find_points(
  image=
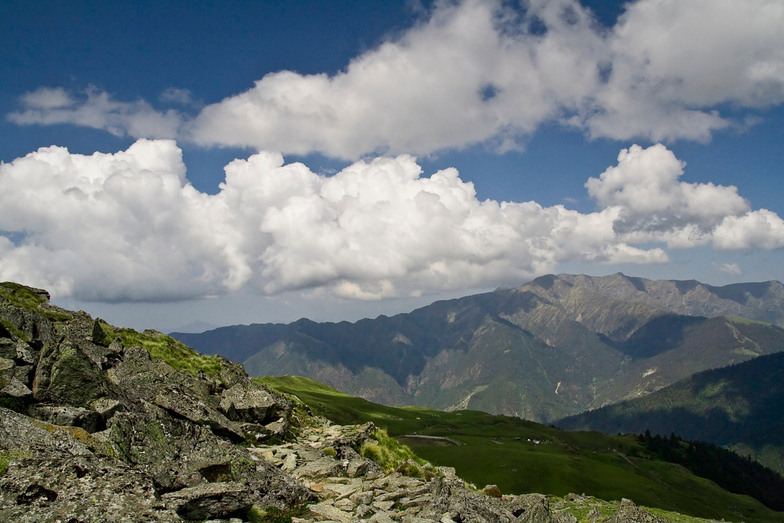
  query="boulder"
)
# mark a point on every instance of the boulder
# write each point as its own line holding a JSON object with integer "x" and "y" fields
{"x": 26, "y": 354}
{"x": 66, "y": 375}
{"x": 7, "y": 348}
{"x": 628, "y": 512}
{"x": 251, "y": 403}
{"x": 451, "y": 496}
{"x": 7, "y": 371}
{"x": 25, "y": 373}
{"x": 492, "y": 490}
{"x": 68, "y": 416}
{"x": 211, "y": 500}
{"x": 530, "y": 508}
{"x": 16, "y": 396}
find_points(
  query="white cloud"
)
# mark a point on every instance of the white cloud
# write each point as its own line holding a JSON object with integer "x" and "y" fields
{"x": 47, "y": 98}
{"x": 173, "y": 95}
{"x": 96, "y": 109}
{"x": 673, "y": 61}
{"x": 654, "y": 206}
{"x": 129, "y": 226}
{"x": 112, "y": 226}
{"x": 728, "y": 268}
{"x": 658, "y": 74}
{"x": 474, "y": 72}
{"x": 760, "y": 229}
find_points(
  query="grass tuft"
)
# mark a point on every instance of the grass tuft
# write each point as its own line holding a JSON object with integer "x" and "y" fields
{"x": 165, "y": 348}
{"x": 8, "y": 455}
{"x": 391, "y": 455}
{"x": 258, "y": 514}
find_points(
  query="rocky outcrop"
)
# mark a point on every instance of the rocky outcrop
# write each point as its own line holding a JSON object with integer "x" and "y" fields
{"x": 94, "y": 430}
{"x": 346, "y": 495}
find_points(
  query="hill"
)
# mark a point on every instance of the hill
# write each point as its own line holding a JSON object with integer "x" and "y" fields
{"x": 522, "y": 456}
{"x": 557, "y": 346}
{"x": 738, "y": 407}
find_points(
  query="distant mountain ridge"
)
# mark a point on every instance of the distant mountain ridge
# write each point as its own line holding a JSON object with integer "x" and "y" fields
{"x": 557, "y": 346}
{"x": 761, "y": 301}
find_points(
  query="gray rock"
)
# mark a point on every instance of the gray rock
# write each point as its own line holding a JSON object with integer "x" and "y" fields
{"x": 321, "y": 468}
{"x": 253, "y": 404}
{"x": 106, "y": 407}
{"x": 211, "y": 500}
{"x": 628, "y": 512}
{"x": 325, "y": 511}
{"x": 563, "y": 517}
{"x": 16, "y": 396}
{"x": 7, "y": 348}
{"x": 7, "y": 371}
{"x": 194, "y": 409}
{"x": 30, "y": 324}
{"x": 66, "y": 375}
{"x": 62, "y": 487}
{"x": 67, "y": 416}
{"x": 530, "y": 508}
{"x": 25, "y": 354}
{"x": 53, "y": 476}
{"x": 25, "y": 373}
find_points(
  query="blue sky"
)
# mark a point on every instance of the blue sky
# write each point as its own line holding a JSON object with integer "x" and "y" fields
{"x": 381, "y": 155}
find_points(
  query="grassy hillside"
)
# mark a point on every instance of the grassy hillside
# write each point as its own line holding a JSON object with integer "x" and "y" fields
{"x": 521, "y": 456}
{"x": 739, "y": 407}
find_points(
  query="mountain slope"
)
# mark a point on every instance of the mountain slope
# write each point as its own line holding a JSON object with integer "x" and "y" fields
{"x": 557, "y": 346}
{"x": 739, "y": 407}
{"x": 521, "y": 456}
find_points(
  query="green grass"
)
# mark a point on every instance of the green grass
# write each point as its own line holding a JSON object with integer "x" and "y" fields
{"x": 10, "y": 327}
{"x": 391, "y": 455}
{"x": 503, "y": 451}
{"x": 166, "y": 349}
{"x": 586, "y": 510}
{"x": 23, "y": 297}
{"x": 7, "y": 456}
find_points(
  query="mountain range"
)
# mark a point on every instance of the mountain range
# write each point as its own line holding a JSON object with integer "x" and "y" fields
{"x": 557, "y": 346}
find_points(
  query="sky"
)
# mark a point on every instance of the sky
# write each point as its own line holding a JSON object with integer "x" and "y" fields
{"x": 233, "y": 162}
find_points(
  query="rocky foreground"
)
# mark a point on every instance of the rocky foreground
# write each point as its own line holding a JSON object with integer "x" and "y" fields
{"x": 92, "y": 428}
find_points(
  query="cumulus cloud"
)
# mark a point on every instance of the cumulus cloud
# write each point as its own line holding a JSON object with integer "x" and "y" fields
{"x": 129, "y": 226}
{"x": 476, "y": 72}
{"x": 654, "y": 206}
{"x": 482, "y": 72}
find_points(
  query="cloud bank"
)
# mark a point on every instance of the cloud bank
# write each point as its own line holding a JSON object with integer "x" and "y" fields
{"x": 129, "y": 226}
{"x": 480, "y": 72}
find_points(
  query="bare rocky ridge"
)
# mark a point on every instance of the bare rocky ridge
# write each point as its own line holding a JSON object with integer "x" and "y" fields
{"x": 92, "y": 430}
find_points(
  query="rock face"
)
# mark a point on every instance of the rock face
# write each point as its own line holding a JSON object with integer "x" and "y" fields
{"x": 93, "y": 430}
